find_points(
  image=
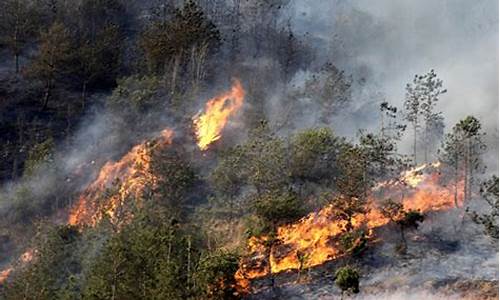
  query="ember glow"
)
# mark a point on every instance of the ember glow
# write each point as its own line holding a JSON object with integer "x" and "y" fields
{"x": 25, "y": 258}
{"x": 316, "y": 236}
{"x": 209, "y": 124}
{"x": 129, "y": 176}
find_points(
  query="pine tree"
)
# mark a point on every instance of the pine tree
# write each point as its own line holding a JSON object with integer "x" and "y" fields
{"x": 19, "y": 21}
{"x": 420, "y": 100}
{"x": 53, "y": 58}
{"x": 462, "y": 151}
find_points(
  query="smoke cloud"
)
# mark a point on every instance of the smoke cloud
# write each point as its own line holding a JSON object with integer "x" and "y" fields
{"x": 385, "y": 43}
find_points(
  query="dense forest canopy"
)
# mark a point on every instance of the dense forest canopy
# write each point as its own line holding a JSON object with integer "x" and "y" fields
{"x": 204, "y": 149}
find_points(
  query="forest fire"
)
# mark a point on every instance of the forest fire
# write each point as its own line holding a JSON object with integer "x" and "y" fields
{"x": 128, "y": 176}
{"x": 209, "y": 124}
{"x": 316, "y": 238}
{"x": 25, "y": 258}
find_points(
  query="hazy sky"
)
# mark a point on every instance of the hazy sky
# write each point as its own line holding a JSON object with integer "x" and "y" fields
{"x": 396, "y": 39}
{"x": 389, "y": 41}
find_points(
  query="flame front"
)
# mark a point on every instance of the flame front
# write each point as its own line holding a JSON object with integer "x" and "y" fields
{"x": 317, "y": 235}
{"x": 131, "y": 174}
{"x": 209, "y": 125}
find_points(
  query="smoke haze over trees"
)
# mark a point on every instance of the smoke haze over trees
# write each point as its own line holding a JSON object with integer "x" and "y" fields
{"x": 325, "y": 115}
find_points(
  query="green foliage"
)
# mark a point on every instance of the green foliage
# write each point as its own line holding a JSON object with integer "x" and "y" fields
{"x": 256, "y": 226}
{"x": 228, "y": 176}
{"x": 347, "y": 279}
{"x": 379, "y": 152}
{"x": 174, "y": 175}
{"x": 278, "y": 207}
{"x": 53, "y": 58}
{"x": 347, "y": 207}
{"x": 489, "y": 220}
{"x": 98, "y": 56}
{"x": 173, "y": 40}
{"x": 215, "y": 274}
{"x": 331, "y": 88}
{"x": 462, "y": 151}
{"x": 266, "y": 161}
{"x": 352, "y": 180}
{"x": 421, "y": 98}
{"x": 19, "y": 21}
{"x": 313, "y": 154}
{"x": 151, "y": 258}
{"x": 354, "y": 242}
{"x": 51, "y": 266}
{"x": 136, "y": 94}
{"x": 261, "y": 163}
{"x": 405, "y": 219}
{"x": 41, "y": 153}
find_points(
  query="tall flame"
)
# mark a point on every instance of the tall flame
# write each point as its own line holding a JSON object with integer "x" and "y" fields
{"x": 209, "y": 125}
{"x": 316, "y": 236}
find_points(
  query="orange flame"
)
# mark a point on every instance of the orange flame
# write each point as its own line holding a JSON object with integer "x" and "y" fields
{"x": 133, "y": 173}
{"x": 316, "y": 237}
{"x": 209, "y": 125}
{"x": 25, "y": 258}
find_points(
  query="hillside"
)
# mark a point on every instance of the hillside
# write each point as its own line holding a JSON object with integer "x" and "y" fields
{"x": 248, "y": 150}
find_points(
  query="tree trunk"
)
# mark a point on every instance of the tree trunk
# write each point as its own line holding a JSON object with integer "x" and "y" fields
{"x": 403, "y": 239}
{"x": 173, "y": 83}
{"x": 415, "y": 144}
{"x": 46, "y": 95}
{"x": 16, "y": 58}
{"x": 189, "y": 260}
{"x": 425, "y": 144}
{"x": 84, "y": 93}
{"x": 466, "y": 173}
{"x": 470, "y": 167}
{"x": 455, "y": 196}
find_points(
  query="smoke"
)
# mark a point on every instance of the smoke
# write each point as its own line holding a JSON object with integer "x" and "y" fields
{"x": 409, "y": 295}
{"x": 385, "y": 43}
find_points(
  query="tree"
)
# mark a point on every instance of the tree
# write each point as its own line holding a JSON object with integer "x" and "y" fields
{"x": 380, "y": 155}
{"x": 313, "y": 155}
{"x": 433, "y": 135}
{"x": 421, "y": 97}
{"x": 331, "y": 88}
{"x": 291, "y": 53}
{"x": 346, "y": 207}
{"x": 489, "y": 220}
{"x": 98, "y": 58}
{"x": 430, "y": 87}
{"x": 18, "y": 25}
{"x": 389, "y": 125}
{"x": 53, "y": 57}
{"x": 461, "y": 151}
{"x": 347, "y": 279}
{"x": 352, "y": 180}
{"x": 278, "y": 207}
{"x": 215, "y": 274}
{"x": 150, "y": 258}
{"x": 49, "y": 267}
{"x": 41, "y": 153}
{"x": 182, "y": 42}
{"x": 405, "y": 219}
{"x": 174, "y": 177}
{"x": 266, "y": 161}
